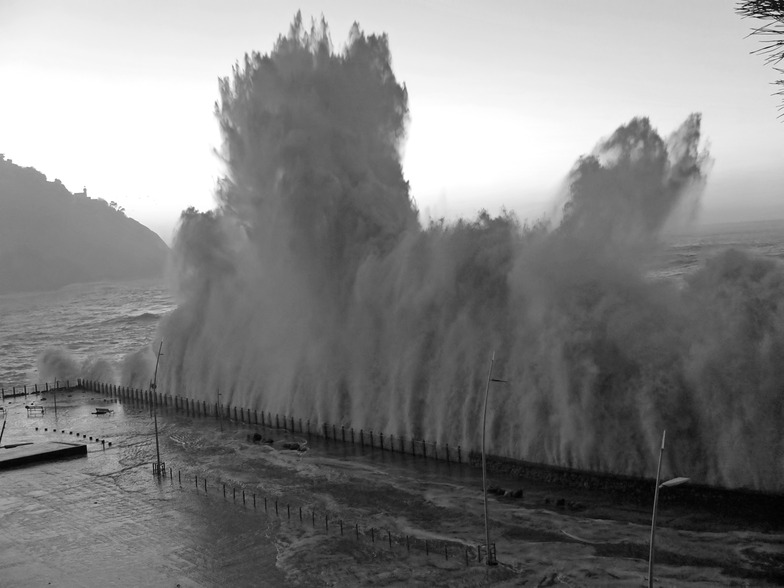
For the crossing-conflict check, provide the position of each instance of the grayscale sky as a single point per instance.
(504, 95)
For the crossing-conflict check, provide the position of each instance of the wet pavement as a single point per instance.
(106, 521)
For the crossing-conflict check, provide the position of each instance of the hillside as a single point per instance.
(50, 237)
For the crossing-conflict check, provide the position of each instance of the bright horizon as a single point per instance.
(503, 96)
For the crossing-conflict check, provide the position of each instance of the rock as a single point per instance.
(560, 503)
(517, 493)
(257, 437)
(290, 445)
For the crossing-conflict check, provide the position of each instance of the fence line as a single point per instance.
(330, 522)
(307, 427)
(57, 386)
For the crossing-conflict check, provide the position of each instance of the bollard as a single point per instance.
(254, 500)
(372, 535)
(265, 504)
(300, 514)
(340, 522)
(356, 528)
(205, 485)
(371, 438)
(196, 478)
(243, 496)
(381, 441)
(288, 511)
(103, 444)
(179, 475)
(326, 522)
(389, 536)
(276, 506)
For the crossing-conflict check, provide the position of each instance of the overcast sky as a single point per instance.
(504, 96)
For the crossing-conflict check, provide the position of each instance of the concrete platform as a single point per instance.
(12, 455)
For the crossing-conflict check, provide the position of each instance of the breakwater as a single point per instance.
(766, 507)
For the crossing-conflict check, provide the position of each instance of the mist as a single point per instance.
(313, 290)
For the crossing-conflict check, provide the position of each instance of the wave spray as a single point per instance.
(313, 290)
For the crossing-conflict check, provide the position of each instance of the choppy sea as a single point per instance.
(101, 319)
(109, 320)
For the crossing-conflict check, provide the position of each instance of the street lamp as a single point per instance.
(669, 483)
(154, 386)
(491, 561)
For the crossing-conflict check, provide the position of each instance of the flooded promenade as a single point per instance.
(232, 512)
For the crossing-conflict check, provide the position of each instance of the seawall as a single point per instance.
(639, 490)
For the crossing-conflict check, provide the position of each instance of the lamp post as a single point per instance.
(154, 386)
(491, 561)
(669, 483)
(220, 417)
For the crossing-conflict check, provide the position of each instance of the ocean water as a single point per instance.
(687, 250)
(105, 320)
